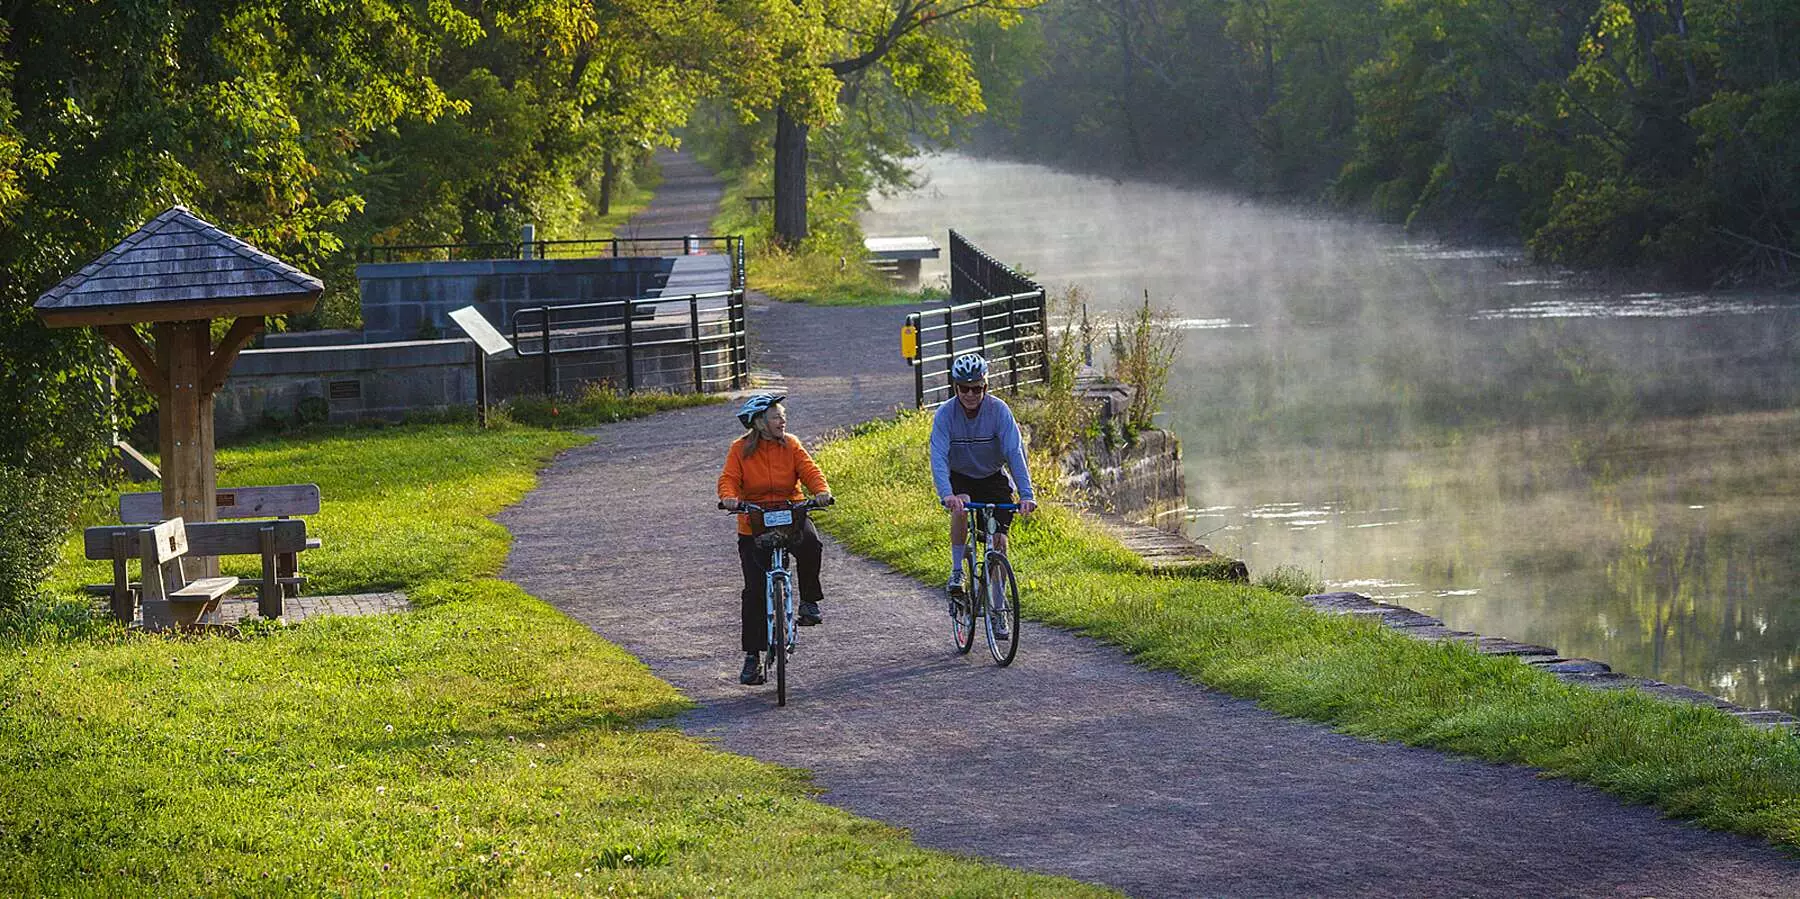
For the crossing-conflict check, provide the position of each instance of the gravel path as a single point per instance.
(685, 202)
(1073, 761)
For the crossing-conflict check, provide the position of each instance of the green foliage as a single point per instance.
(1056, 417)
(829, 268)
(1652, 136)
(873, 77)
(310, 129)
(35, 511)
(1143, 349)
(596, 404)
(1692, 761)
(1290, 580)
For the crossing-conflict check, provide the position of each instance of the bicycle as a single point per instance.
(780, 528)
(990, 576)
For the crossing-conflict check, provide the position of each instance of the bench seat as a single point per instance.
(204, 589)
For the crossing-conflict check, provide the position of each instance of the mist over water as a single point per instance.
(1452, 429)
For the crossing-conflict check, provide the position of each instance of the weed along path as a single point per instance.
(1073, 761)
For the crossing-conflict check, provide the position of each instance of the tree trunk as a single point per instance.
(790, 179)
(609, 180)
(1128, 85)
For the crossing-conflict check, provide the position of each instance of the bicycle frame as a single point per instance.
(782, 623)
(983, 526)
(984, 523)
(779, 573)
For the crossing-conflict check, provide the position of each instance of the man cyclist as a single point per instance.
(975, 442)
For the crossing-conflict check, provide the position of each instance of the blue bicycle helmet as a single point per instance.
(756, 405)
(969, 368)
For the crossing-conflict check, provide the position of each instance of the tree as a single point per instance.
(833, 43)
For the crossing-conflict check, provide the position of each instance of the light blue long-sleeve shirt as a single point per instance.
(976, 447)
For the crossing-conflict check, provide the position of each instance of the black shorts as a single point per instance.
(995, 488)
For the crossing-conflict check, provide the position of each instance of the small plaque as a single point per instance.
(485, 336)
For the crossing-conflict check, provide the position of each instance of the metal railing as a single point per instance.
(638, 329)
(611, 247)
(994, 311)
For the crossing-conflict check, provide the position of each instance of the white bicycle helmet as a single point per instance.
(969, 368)
(756, 405)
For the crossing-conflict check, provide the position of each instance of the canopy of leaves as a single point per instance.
(1659, 135)
(310, 127)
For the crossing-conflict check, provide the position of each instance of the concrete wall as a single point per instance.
(386, 381)
(405, 301)
(354, 382)
(1143, 483)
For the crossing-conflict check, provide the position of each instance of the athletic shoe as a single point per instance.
(955, 585)
(999, 620)
(753, 669)
(809, 613)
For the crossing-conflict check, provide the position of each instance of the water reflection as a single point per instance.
(1613, 475)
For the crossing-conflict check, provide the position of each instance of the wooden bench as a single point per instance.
(281, 501)
(171, 601)
(900, 257)
(271, 539)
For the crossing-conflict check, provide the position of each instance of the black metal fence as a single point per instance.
(667, 343)
(563, 249)
(993, 310)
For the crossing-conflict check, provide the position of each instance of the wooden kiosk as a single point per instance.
(176, 274)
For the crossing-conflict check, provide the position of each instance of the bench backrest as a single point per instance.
(164, 542)
(233, 502)
(161, 548)
(206, 538)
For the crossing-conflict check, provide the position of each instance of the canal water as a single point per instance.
(1612, 473)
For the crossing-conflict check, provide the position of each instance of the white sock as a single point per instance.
(957, 553)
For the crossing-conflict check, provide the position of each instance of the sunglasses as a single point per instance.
(971, 388)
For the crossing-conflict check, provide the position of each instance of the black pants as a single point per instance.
(808, 555)
(995, 488)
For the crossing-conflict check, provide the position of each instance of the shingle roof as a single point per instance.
(177, 267)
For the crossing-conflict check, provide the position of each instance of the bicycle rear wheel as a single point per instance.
(1001, 593)
(781, 634)
(962, 610)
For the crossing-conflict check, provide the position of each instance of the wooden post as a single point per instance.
(189, 478)
(192, 373)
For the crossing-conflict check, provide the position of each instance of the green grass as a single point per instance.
(828, 278)
(482, 743)
(1691, 761)
(597, 404)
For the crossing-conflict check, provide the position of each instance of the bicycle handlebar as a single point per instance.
(809, 504)
(1004, 507)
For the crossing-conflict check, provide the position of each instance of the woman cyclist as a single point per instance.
(767, 465)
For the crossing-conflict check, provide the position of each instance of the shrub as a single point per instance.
(1056, 416)
(36, 511)
(597, 403)
(1143, 349)
(1290, 580)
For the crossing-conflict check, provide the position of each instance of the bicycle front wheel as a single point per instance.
(962, 611)
(1001, 594)
(780, 628)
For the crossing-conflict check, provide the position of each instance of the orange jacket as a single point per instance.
(774, 472)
